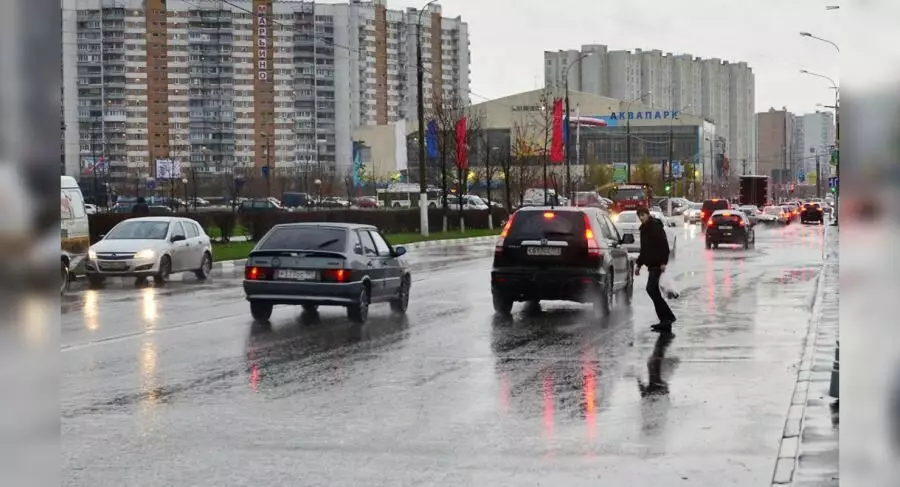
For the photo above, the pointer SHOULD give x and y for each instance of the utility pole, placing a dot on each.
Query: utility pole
(420, 81)
(818, 176)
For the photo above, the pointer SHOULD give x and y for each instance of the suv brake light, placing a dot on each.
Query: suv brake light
(710, 223)
(593, 249)
(498, 248)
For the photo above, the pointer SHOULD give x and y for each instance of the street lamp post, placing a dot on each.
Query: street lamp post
(568, 192)
(837, 134)
(420, 81)
(628, 134)
(671, 156)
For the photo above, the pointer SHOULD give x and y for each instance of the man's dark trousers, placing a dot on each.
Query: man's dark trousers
(662, 308)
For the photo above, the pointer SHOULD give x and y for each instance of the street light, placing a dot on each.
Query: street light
(807, 34)
(837, 135)
(569, 126)
(628, 133)
(420, 81)
(671, 155)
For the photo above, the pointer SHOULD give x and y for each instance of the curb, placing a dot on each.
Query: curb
(227, 265)
(810, 393)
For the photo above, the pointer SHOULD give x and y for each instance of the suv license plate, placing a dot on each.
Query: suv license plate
(544, 251)
(725, 228)
(295, 275)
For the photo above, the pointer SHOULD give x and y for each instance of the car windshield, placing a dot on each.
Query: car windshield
(631, 194)
(726, 218)
(143, 230)
(715, 205)
(627, 217)
(305, 238)
(696, 206)
(535, 225)
(772, 210)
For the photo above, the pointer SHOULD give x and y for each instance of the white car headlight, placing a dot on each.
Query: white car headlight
(145, 254)
(92, 255)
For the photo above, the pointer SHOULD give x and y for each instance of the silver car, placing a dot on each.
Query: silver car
(155, 246)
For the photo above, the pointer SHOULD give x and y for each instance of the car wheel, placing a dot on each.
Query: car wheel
(260, 311)
(205, 267)
(95, 281)
(502, 305)
(628, 293)
(603, 301)
(359, 311)
(432, 205)
(401, 302)
(716, 245)
(311, 308)
(708, 244)
(165, 270)
(746, 243)
(64, 276)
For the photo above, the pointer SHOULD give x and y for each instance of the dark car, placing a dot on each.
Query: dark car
(325, 264)
(729, 227)
(812, 212)
(561, 253)
(709, 207)
(259, 206)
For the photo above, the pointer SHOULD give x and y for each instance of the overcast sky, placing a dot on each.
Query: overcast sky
(509, 38)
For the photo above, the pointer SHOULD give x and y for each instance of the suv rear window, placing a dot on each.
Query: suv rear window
(727, 219)
(305, 238)
(535, 225)
(710, 206)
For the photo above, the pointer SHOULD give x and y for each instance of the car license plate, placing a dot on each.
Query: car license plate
(544, 251)
(295, 275)
(725, 228)
(113, 266)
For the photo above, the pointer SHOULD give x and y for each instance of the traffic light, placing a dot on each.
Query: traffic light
(833, 189)
(668, 187)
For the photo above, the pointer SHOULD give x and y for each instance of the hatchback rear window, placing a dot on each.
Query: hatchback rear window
(306, 238)
(535, 225)
(627, 217)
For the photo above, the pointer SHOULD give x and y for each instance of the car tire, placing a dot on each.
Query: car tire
(260, 311)
(502, 305)
(95, 281)
(401, 303)
(602, 304)
(205, 267)
(709, 244)
(65, 277)
(165, 270)
(359, 311)
(628, 293)
(311, 308)
(747, 243)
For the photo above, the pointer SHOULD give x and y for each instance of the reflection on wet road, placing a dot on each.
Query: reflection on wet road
(177, 386)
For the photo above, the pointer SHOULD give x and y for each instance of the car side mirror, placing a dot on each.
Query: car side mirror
(178, 238)
(628, 238)
(399, 251)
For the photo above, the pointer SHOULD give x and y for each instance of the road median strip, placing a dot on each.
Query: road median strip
(228, 255)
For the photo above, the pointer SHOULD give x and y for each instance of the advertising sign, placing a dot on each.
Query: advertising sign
(168, 169)
(620, 172)
(677, 170)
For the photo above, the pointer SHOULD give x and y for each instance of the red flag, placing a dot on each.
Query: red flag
(462, 150)
(556, 144)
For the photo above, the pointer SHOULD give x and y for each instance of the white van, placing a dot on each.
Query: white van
(75, 235)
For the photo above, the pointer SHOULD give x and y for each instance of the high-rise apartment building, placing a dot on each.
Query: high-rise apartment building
(814, 136)
(247, 83)
(722, 92)
(775, 146)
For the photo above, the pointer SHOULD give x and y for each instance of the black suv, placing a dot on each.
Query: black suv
(565, 253)
(811, 212)
(729, 227)
(709, 207)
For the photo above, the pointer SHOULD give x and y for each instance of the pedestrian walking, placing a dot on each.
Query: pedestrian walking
(655, 256)
(140, 207)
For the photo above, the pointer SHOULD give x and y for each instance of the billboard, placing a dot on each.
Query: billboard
(620, 172)
(168, 169)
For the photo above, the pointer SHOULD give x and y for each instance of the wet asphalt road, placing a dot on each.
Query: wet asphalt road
(177, 386)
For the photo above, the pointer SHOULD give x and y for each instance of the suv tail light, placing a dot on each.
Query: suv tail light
(593, 249)
(255, 273)
(498, 248)
(710, 223)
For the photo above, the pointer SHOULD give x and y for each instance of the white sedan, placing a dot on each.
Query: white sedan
(155, 246)
(628, 222)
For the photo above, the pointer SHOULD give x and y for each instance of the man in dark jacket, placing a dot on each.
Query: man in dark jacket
(140, 207)
(655, 255)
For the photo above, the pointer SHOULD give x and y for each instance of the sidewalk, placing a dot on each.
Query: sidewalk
(809, 453)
